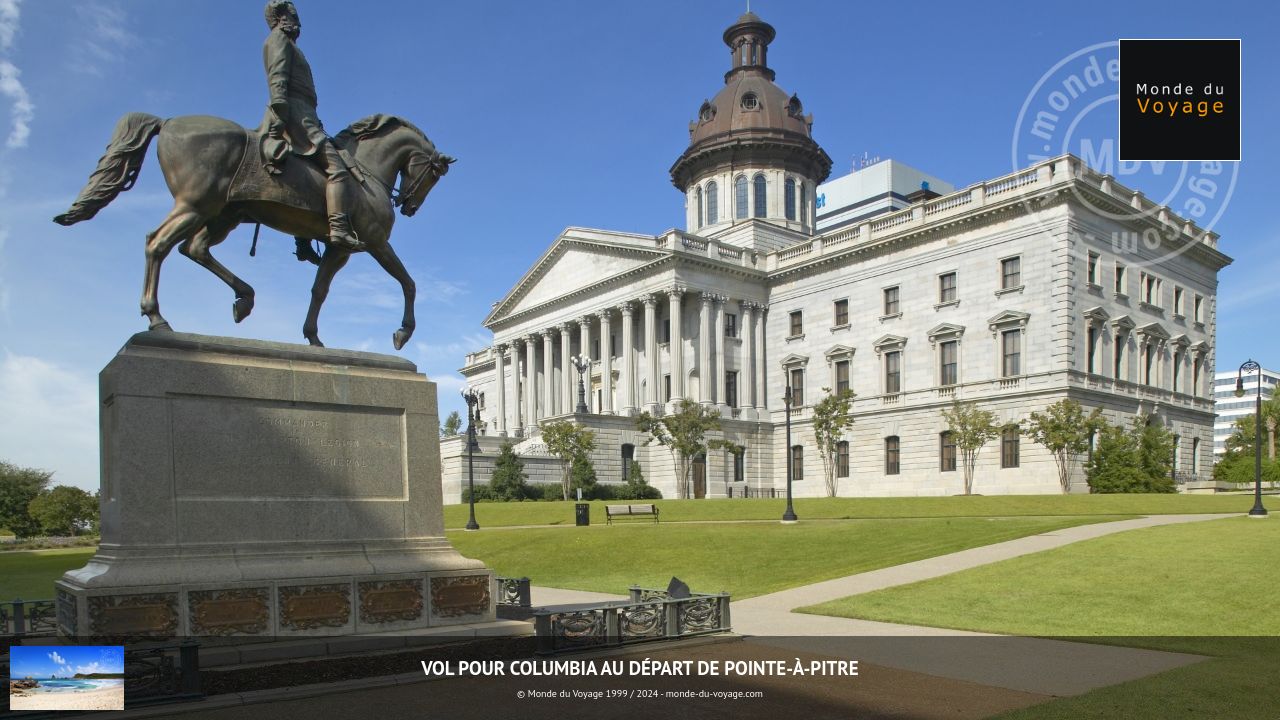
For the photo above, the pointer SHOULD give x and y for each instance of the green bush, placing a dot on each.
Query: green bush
(508, 480)
(484, 493)
(1137, 460)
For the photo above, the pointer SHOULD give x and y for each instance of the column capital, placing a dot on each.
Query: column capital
(500, 348)
(626, 308)
(721, 299)
(533, 336)
(676, 291)
(707, 297)
(605, 315)
(650, 300)
(565, 326)
(584, 320)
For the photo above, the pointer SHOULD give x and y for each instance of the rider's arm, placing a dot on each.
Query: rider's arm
(277, 55)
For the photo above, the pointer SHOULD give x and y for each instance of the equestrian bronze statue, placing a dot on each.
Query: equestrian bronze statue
(287, 175)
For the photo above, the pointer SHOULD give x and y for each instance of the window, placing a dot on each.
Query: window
(740, 198)
(758, 191)
(891, 455)
(731, 388)
(713, 203)
(1093, 268)
(789, 198)
(1120, 279)
(1009, 448)
(842, 375)
(666, 388)
(797, 387)
(1177, 370)
(891, 301)
(1177, 301)
(797, 323)
(595, 349)
(731, 325)
(628, 456)
(893, 372)
(1010, 273)
(1196, 305)
(947, 452)
(947, 287)
(1119, 358)
(842, 312)
(749, 101)
(1091, 349)
(1011, 352)
(481, 403)
(697, 193)
(948, 355)
(1195, 455)
(797, 462)
(1148, 361)
(804, 204)
(1150, 289)
(842, 459)
(1195, 376)
(740, 466)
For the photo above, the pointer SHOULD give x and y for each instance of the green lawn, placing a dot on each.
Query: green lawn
(746, 559)
(30, 574)
(561, 513)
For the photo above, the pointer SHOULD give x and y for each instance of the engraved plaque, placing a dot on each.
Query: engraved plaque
(312, 606)
(457, 596)
(263, 450)
(390, 601)
(155, 614)
(228, 612)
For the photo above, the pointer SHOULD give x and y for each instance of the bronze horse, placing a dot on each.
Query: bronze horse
(201, 156)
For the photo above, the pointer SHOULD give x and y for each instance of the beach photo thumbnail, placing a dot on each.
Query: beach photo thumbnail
(66, 677)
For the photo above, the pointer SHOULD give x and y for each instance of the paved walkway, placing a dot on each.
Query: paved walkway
(1035, 665)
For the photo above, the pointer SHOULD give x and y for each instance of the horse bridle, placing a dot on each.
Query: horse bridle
(402, 195)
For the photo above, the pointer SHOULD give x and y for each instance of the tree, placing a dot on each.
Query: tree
(1064, 430)
(1133, 460)
(452, 425)
(508, 479)
(64, 510)
(636, 488)
(18, 487)
(970, 428)
(569, 442)
(684, 434)
(583, 476)
(831, 418)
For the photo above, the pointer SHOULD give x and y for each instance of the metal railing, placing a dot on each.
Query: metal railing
(650, 615)
(162, 673)
(750, 492)
(20, 617)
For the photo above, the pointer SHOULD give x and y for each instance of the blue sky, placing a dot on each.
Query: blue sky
(41, 661)
(561, 113)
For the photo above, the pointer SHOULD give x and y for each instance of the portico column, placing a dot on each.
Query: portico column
(651, 352)
(548, 389)
(566, 377)
(762, 394)
(704, 350)
(499, 367)
(530, 386)
(628, 360)
(747, 363)
(676, 346)
(721, 400)
(584, 349)
(606, 361)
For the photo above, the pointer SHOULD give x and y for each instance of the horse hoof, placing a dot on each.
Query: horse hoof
(241, 308)
(315, 342)
(400, 337)
(162, 326)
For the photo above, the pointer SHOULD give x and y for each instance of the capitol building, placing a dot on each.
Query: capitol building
(889, 282)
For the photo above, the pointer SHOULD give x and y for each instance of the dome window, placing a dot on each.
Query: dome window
(707, 112)
(713, 209)
(750, 101)
(794, 108)
(761, 203)
(740, 198)
(789, 198)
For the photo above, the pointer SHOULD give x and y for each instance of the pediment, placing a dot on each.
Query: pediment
(888, 341)
(794, 359)
(1123, 322)
(1154, 330)
(946, 329)
(1009, 317)
(1180, 340)
(1097, 313)
(838, 351)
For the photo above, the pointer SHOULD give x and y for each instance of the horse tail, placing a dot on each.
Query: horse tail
(117, 169)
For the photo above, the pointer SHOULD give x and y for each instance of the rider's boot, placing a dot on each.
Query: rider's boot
(335, 194)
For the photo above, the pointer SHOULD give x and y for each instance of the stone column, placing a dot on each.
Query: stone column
(606, 361)
(584, 349)
(651, 352)
(762, 388)
(499, 367)
(676, 346)
(548, 388)
(704, 350)
(530, 384)
(747, 362)
(566, 372)
(628, 380)
(721, 401)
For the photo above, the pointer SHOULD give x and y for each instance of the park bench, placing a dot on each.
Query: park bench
(612, 511)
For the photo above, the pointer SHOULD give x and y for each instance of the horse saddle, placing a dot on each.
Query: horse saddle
(298, 183)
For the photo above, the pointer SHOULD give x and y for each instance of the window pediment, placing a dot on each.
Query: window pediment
(1008, 320)
(1180, 341)
(794, 360)
(1096, 315)
(888, 343)
(1122, 324)
(945, 331)
(1153, 331)
(839, 352)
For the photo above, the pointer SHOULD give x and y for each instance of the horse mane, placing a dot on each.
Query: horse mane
(374, 124)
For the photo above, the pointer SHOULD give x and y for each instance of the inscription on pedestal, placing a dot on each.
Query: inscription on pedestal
(304, 607)
(66, 612)
(459, 596)
(154, 614)
(263, 450)
(390, 601)
(228, 612)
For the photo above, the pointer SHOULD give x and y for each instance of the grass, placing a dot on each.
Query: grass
(561, 513)
(30, 574)
(745, 559)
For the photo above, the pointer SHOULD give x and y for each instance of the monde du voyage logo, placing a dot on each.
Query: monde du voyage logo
(1180, 100)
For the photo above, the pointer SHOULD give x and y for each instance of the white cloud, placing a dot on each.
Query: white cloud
(93, 667)
(22, 111)
(4, 287)
(8, 22)
(54, 656)
(49, 419)
(105, 39)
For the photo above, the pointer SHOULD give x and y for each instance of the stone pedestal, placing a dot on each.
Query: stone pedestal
(265, 489)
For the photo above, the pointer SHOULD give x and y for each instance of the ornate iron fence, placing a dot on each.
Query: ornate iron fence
(162, 673)
(513, 599)
(19, 618)
(750, 492)
(650, 615)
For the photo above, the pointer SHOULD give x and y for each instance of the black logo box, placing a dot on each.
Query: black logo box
(1186, 68)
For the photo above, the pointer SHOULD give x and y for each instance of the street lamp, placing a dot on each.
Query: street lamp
(470, 396)
(582, 364)
(790, 515)
(1249, 365)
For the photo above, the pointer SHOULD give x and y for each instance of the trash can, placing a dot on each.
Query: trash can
(582, 514)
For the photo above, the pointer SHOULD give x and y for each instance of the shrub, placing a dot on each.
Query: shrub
(1137, 460)
(508, 480)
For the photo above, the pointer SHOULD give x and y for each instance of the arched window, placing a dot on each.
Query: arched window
(804, 204)
(842, 459)
(892, 455)
(761, 206)
(740, 198)
(713, 203)
(628, 456)
(789, 198)
(697, 193)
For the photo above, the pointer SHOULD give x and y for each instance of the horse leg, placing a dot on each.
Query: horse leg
(178, 226)
(330, 264)
(197, 248)
(387, 258)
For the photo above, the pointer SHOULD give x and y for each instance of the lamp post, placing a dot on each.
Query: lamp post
(582, 364)
(470, 396)
(790, 515)
(1249, 365)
